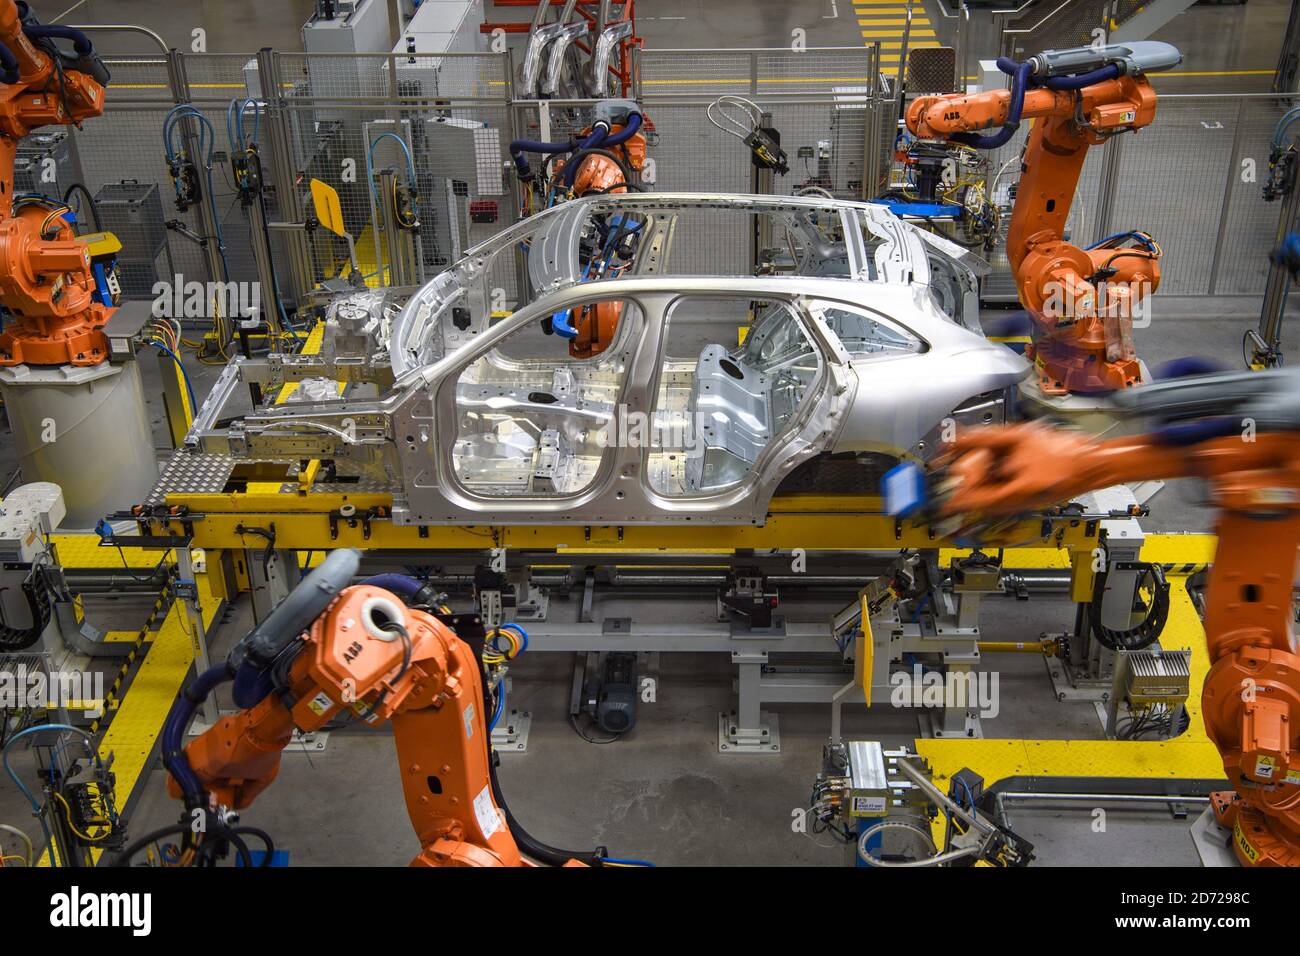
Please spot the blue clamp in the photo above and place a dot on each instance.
(560, 324)
(904, 487)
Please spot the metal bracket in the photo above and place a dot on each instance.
(353, 518)
(735, 739)
(511, 734)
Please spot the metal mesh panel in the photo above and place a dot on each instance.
(130, 150)
(811, 71)
(1250, 223)
(818, 101)
(462, 77)
(1080, 226)
(330, 77)
(386, 76)
(218, 77)
(932, 70)
(137, 80)
(459, 156)
(1045, 27)
(831, 137)
(693, 155)
(1170, 183)
(666, 73)
(672, 72)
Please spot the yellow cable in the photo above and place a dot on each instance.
(73, 827)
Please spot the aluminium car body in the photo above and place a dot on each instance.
(863, 351)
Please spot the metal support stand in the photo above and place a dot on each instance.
(1268, 340)
(401, 252)
(187, 600)
(511, 734)
(279, 142)
(747, 729)
(189, 136)
(260, 246)
(1213, 843)
(764, 184)
(1110, 160)
(270, 582)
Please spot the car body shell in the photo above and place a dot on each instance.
(878, 273)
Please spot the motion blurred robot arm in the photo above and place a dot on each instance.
(1083, 300)
(329, 647)
(1240, 432)
(46, 277)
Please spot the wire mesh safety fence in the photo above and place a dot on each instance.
(818, 101)
(1193, 179)
(1059, 25)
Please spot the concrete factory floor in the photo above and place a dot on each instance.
(664, 792)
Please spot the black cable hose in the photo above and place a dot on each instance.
(609, 189)
(1148, 629)
(528, 844)
(267, 842)
(90, 202)
(270, 258)
(205, 852)
(38, 603)
(176, 829)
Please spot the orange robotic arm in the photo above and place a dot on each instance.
(371, 654)
(1251, 697)
(330, 648)
(1083, 301)
(46, 279)
(597, 174)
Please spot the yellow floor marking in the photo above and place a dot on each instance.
(898, 35)
(1191, 755)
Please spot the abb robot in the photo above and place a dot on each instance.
(1241, 434)
(1082, 300)
(605, 158)
(379, 650)
(46, 278)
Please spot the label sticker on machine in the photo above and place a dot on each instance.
(1264, 767)
(485, 811)
(469, 721)
(868, 806)
(320, 703)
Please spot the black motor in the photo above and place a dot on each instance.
(611, 693)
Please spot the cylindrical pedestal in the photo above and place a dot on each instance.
(86, 430)
(1092, 414)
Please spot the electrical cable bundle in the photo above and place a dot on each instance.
(1161, 720)
(39, 605)
(201, 844)
(245, 145)
(177, 161)
(1145, 631)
